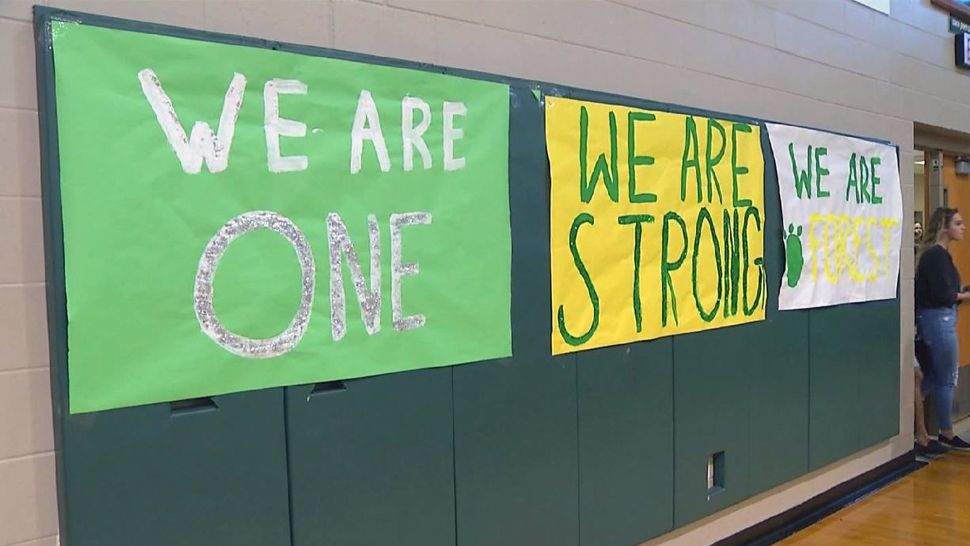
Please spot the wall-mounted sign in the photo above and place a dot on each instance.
(842, 209)
(957, 26)
(657, 224)
(239, 218)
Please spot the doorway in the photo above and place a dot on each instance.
(942, 178)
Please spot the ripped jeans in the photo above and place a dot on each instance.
(937, 327)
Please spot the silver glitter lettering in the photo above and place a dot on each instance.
(400, 270)
(369, 300)
(204, 310)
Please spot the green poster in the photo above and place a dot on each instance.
(238, 218)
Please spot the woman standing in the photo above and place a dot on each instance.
(938, 293)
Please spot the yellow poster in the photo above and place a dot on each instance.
(656, 224)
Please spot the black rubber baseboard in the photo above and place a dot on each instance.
(811, 511)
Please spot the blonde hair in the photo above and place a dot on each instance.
(936, 226)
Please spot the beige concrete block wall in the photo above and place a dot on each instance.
(28, 510)
(832, 64)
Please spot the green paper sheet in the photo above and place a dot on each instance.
(137, 219)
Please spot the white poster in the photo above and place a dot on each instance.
(878, 5)
(842, 210)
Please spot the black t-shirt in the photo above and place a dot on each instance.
(937, 279)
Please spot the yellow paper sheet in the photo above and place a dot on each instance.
(656, 224)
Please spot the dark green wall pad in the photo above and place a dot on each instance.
(626, 439)
(599, 448)
(743, 394)
(371, 461)
(143, 476)
(854, 379)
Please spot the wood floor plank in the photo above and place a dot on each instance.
(931, 506)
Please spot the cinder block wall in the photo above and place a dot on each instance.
(832, 64)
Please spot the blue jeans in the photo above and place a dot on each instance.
(937, 327)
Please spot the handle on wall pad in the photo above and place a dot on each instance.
(192, 406)
(327, 387)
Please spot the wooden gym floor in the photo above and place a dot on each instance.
(930, 506)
